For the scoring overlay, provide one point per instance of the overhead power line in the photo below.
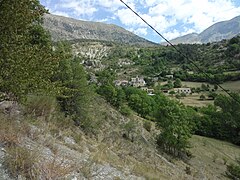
(180, 52)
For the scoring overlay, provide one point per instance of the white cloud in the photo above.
(60, 13)
(78, 8)
(170, 17)
(172, 34)
(139, 31)
(201, 14)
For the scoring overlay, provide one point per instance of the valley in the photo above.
(87, 100)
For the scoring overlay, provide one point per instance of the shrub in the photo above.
(21, 161)
(147, 125)
(125, 110)
(130, 128)
(10, 133)
(233, 171)
(202, 97)
(40, 105)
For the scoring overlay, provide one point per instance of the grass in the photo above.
(232, 86)
(211, 156)
(194, 100)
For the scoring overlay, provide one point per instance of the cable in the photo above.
(180, 52)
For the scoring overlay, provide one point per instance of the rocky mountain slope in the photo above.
(48, 149)
(216, 32)
(63, 28)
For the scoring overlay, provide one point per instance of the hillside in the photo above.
(107, 109)
(51, 148)
(216, 32)
(63, 28)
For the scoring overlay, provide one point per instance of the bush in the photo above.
(147, 125)
(21, 161)
(202, 97)
(233, 171)
(40, 105)
(130, 128)
(125, 110)
(10, 132)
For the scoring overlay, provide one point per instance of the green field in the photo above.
(230, 85)
(194, 99)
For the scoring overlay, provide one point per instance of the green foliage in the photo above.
(106, 77)
(205, 87)
(21, 161)
(222, 120)
(140, 102)
(202, 97)
(40, 105)
(75, 95)
(233, 170)
(177, 83)
(26, 57)
(147, 125)
(125, 110)
(174, 120)
(130, 128)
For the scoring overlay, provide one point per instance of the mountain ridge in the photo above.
(64, 28)
(216, 32)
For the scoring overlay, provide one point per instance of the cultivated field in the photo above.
(194, 100)
(230, 85)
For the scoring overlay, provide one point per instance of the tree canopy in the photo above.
(26, 56)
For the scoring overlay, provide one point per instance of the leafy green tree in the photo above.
(106, 77)
(26, 58)
(229, 117)
(177, 83)
(205, 87)
(222, 120)
(202, 97)
(174, 121)
(109, 92)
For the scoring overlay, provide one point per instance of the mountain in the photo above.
(64, 28)
(216, 32)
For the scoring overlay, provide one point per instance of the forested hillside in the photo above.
(90, 109)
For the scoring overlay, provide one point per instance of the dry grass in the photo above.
(56, 168)
(193, 100)
(211, 156)
(21, 161)
(232, 86)
(11, 132)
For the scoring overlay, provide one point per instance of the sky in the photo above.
(172, 18)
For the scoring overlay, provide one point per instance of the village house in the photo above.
(137, 82)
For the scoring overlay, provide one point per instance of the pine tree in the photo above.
(26, 60)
